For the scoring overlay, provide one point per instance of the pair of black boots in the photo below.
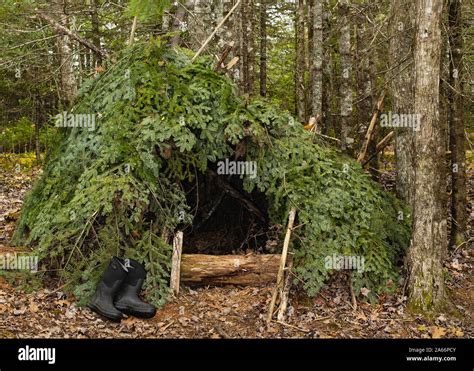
(118, 290)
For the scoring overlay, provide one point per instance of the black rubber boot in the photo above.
(127, 300)
(103, 300)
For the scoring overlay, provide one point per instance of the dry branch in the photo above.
(380, 146)
(370, 130)
(59, 28)
(281, 270)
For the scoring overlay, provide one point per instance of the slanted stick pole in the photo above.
(285, 293)
(281, 270)
(370, 130)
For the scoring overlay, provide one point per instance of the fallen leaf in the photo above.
(129, 321)
(438, 332)
(33, 307)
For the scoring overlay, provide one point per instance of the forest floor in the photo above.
(224, 312)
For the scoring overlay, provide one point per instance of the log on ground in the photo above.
(217, 270)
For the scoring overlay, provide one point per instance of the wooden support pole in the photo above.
(176, 263)
(285, 293)
(281, 270)
(132, 32)
(370, 130)
(380, 146)
(224, 54)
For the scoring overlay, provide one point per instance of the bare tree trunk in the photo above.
(263, 48)
(429, 239)
(346, 81)
(200, 23)
(317, 61)
(456, 126)
(179, 19)
(94, 12)
(247, 46)
(402, 86)
(37, 130)
(237, 35)
(68, 80)
(364, 88)
(251, 44)
(300, 62)
(328, 84)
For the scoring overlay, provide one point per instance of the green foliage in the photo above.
(111, 191)
(18, 136)
(148, 9)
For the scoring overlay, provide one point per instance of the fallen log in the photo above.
(218, 270)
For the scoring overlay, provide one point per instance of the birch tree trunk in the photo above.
(456, 126)
(402, 86)
(429, 239)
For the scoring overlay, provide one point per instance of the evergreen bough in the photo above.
(160, 120)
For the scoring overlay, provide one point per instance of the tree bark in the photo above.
(300, 62)
(346, 80)
(402, 86)
(255, 270)
(94, 12)
(365, 90)
(429, 239)
(456, 126)
(328, 83)
(200, 23)
(317, 61)
(179, 18)
(248, 52)
(68, 79)
(263, 48)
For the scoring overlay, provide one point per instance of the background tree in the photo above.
(316, 62)
(429, 238)
(300, 62)
(456, 124)
(402, 88)
(346, 77)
